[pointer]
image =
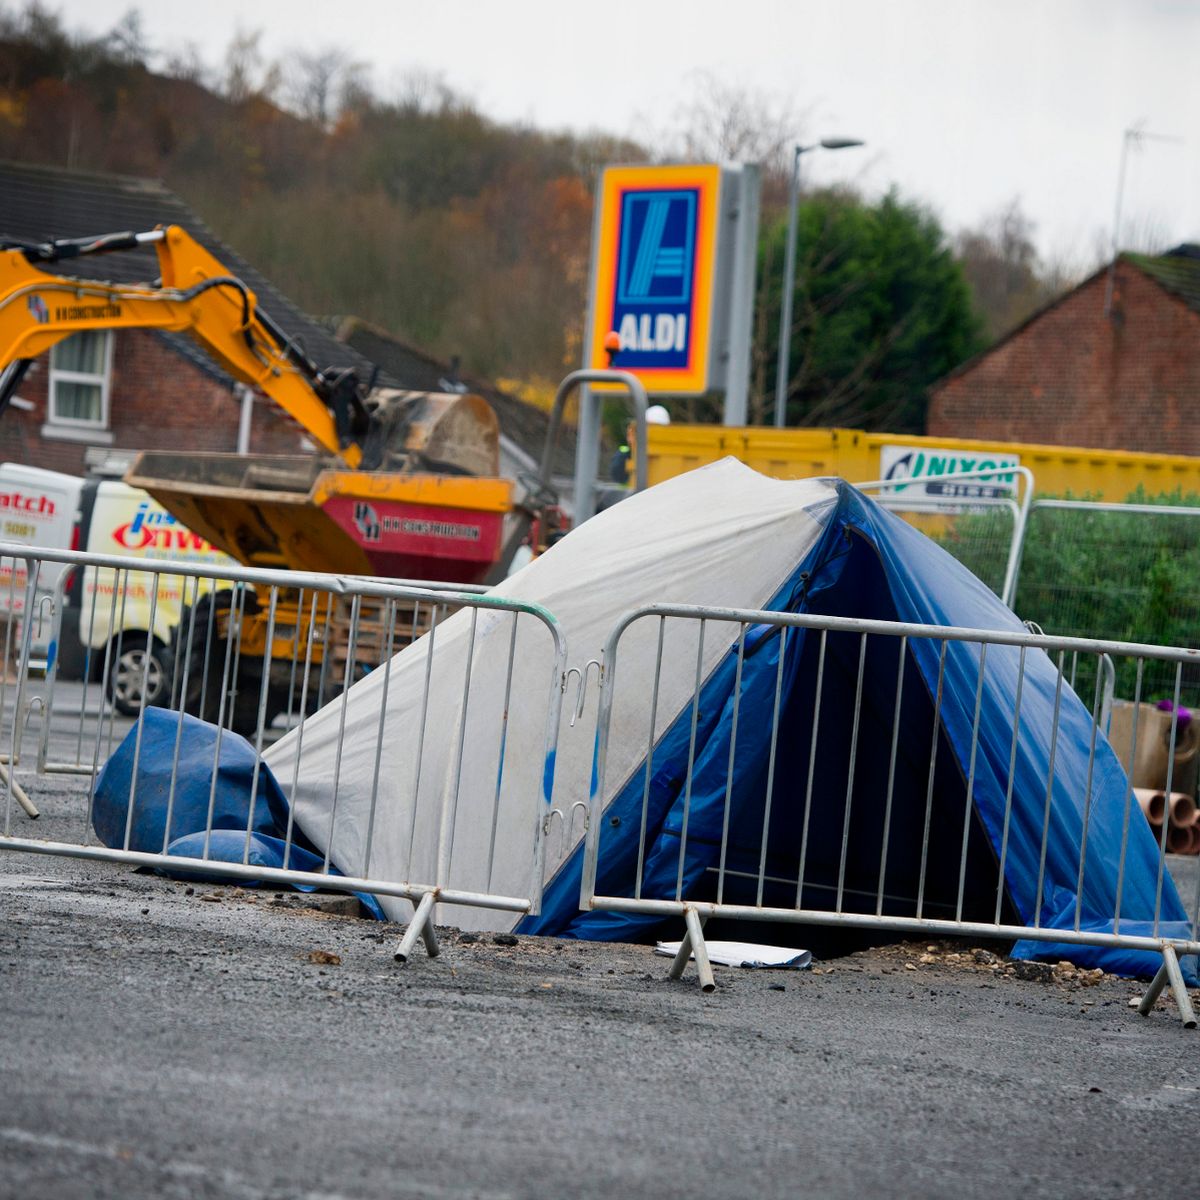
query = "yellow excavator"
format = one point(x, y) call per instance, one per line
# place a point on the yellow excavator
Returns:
point(408, 486)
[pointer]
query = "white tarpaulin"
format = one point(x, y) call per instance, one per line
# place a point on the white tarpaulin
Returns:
point(721, 536)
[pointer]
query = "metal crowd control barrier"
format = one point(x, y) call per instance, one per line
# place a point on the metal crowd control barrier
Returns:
point(848, 816)
point(120, 663)
point(980, 541)
point(325, 632)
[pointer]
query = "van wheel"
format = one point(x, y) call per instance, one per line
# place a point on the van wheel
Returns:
point(127, 670)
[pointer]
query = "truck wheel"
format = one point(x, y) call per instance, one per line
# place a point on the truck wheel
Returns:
point(140, 659)
point(206, 677)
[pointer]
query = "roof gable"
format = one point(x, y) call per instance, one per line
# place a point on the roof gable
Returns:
point(1177, 272)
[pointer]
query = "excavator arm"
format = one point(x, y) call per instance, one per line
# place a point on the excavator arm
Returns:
point(194, 294)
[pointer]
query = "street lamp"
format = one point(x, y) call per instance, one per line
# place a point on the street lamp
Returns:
point(789, 271)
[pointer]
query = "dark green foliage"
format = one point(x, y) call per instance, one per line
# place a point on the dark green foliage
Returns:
point(881, 310)
point(1130, 577)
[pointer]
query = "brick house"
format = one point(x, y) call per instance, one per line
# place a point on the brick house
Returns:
point(134, 389)
point(1115, 370)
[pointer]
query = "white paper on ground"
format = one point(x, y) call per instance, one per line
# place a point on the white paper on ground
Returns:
point(746, 954)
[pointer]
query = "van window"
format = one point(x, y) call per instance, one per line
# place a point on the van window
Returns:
point(80, 367)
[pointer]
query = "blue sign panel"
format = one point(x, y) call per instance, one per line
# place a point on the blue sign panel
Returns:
point(656, 252)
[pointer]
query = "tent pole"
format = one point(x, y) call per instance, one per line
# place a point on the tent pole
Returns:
point(418, 927)
point(1169, 972)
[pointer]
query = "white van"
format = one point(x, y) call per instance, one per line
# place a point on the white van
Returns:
point(118, 519)
point(38, 509)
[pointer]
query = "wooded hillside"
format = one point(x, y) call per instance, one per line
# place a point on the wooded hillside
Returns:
point(471, 238)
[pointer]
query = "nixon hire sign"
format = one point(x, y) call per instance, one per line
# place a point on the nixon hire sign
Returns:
point(923, 465)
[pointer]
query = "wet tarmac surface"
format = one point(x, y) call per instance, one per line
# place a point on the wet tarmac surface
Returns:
point(165, 1039)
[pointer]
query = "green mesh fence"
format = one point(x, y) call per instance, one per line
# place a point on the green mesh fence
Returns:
point(1126, 576)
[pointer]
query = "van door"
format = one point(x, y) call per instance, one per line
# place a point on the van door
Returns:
point(115, 606)
point(38, 509)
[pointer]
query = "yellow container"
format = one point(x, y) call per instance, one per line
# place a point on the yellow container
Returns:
point(856, 455)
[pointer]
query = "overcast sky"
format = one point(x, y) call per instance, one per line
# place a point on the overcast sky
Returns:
point(964, 104)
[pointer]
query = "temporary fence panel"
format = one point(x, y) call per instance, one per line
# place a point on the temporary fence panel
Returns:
point(879, 775)
point(120, 668)
point(977, 516)
point(267, 649)
point(1129, 572)
point(13, 580)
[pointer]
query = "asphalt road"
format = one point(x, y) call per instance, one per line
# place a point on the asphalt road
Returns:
point(160, 1039)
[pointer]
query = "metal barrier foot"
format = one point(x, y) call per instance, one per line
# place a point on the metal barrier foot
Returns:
point(693, 944)
point(1170, 973)
point(419, 926)
point(18, 793)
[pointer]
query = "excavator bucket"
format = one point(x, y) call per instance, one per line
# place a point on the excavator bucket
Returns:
point(441, 432)
point(305, 514)
point(434, 509)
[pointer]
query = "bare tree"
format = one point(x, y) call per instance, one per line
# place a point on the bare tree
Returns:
point(1000, 261)
point(127, 40)
point(317, 85)
point(418, 91)
point(185, 62)
point(248, 73)
point(727, 122)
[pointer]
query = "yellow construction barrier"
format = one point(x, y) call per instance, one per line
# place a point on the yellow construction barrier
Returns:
point(859, 456)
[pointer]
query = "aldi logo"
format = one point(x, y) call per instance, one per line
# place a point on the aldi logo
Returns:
point(654, 278)
point(653, 274)
point(658, 247)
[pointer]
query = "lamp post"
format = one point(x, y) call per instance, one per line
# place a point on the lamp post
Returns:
point(789, 272)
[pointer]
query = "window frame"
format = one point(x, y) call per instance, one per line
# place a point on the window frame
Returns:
point(61, 375)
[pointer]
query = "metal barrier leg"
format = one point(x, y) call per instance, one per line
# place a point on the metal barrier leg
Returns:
point(1178, 989)
point(681, 956)
point(693, 944)
point(430, 937)
point(18, 793)
point(417, 928)
point(1169, 972)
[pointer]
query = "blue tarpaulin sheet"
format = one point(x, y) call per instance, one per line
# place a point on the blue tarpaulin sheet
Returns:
point(172, 817)
point(870, 564)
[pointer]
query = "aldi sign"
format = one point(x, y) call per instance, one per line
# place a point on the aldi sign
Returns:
point(653, 270)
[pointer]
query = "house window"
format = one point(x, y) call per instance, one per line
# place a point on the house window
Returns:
point(80, 367)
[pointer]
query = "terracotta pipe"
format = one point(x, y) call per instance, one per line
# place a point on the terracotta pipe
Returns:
point(1153, 804)
point(1183, 839)
point(1183, 809)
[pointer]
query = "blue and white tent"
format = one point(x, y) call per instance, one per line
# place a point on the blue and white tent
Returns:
point(727, 536)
